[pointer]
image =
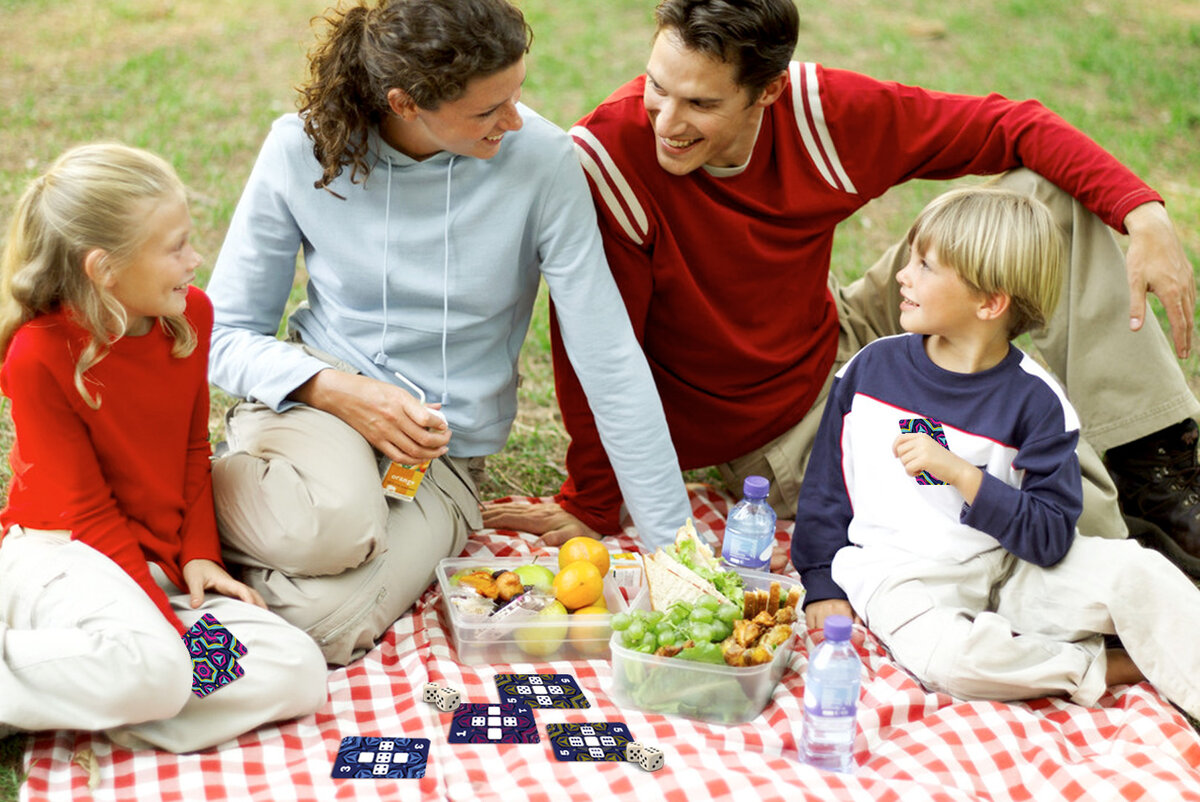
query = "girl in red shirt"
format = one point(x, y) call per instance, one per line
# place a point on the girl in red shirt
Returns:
point(109, 540)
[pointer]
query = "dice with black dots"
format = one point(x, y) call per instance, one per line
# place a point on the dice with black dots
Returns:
point(650, 758)
point(445, 699)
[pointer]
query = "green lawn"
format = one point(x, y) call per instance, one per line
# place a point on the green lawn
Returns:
point(199, 83)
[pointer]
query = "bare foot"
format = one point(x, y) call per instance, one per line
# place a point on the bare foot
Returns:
point(1121, 670)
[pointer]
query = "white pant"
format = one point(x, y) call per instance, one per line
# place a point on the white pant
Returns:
point(83, 647)
point(996, 627)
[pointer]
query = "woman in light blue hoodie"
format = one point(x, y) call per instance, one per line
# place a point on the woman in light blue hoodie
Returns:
point(426, 202)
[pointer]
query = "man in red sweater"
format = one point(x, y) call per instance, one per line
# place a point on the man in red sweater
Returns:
point(720, 176)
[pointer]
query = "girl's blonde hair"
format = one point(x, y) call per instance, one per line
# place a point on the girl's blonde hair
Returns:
point(997, 240)
point(93, 198)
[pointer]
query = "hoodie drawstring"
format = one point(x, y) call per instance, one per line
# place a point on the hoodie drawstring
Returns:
point(446, 286)
point(381, 356)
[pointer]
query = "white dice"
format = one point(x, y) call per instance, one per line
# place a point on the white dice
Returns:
point(650, 758)
point(448, 699)
point(429, 696)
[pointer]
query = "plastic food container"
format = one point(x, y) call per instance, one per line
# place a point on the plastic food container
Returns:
point(525, 638)
point(716, 693)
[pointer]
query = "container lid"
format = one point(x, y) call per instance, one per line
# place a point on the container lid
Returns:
point(756, 487)
point(838, 627)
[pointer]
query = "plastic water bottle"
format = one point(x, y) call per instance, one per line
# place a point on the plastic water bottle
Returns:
point(831, 686)
point(750, 528)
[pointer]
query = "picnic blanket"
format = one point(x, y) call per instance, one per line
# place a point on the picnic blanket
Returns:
point(912, 744)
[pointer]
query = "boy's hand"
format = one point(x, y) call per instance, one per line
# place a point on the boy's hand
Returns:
point(920, 452)
point(816, 613)
point(202, 575)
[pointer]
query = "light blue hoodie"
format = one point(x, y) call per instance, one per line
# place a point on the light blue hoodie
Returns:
point(430, 269)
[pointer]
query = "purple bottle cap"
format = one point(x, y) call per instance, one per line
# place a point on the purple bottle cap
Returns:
point(838, 627)
point(755, 487)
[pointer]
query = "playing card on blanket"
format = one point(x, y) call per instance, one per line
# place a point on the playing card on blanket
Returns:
point(493, 724)
point(381, 758)
point(215, 652)
point(604, 740)
point(540, 690)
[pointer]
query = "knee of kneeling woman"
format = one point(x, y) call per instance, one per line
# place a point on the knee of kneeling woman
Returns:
point(270, 511)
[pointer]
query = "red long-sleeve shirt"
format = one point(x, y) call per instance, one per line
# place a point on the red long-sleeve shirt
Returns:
point(131, 479)
point(725, 277)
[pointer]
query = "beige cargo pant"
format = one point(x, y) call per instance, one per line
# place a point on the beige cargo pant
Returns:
point(996, 627)
point(1123, 384)
point(82, 647)
point(300, 508)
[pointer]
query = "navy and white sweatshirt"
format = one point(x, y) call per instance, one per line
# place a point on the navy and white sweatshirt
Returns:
point(860, 515)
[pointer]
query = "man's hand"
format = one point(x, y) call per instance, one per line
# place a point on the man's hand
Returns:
point(202, 575)
point(816, 613)
point(389, 418)
point(920, 452)
point(552, 522)
point(1156, 263)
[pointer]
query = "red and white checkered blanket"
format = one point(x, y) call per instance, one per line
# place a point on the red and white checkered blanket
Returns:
point(912, 745)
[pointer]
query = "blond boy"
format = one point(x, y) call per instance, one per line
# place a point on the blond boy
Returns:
point(946, 488)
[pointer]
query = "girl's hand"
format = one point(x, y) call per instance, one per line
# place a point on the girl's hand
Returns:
point(202, 575)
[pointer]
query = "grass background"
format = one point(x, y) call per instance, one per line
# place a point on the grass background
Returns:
point(199, 83)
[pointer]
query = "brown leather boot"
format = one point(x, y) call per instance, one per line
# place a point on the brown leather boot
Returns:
point(1158, 480)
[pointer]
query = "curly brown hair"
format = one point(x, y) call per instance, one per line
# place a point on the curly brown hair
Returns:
point(429, 48)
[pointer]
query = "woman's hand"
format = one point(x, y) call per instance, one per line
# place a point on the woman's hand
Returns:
point(389, 418)
point(202, 575)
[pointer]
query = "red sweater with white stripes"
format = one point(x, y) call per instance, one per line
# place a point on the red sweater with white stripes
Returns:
point(725, 278)
point(132, 478)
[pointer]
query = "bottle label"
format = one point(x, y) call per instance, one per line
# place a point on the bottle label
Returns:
point(829, 700)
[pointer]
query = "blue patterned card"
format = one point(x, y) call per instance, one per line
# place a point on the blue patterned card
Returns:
point(381, 758)
point(605, 740)
point(541, 690)
point(493, 724)
point(215, 652)
point(934, 430)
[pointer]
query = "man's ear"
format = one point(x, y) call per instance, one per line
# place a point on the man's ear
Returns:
point(994, 305)
point(97, 268)
point(401, 104)
point(772, 91)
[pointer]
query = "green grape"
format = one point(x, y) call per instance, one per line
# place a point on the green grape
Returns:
point(701, 614)
point(726, 612)
point(635, 630)
point(628, 641)
point(721, 630)
point(650, 639)
point(679, 612)
point(621, 621)
point(702, 632)
point(710, 603)
point(663, 626)
point(644, 649)
point(654, 616)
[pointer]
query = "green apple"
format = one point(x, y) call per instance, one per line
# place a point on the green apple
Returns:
point(542, 634)
point(539, 576)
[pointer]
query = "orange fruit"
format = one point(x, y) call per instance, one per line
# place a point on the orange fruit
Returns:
point(584, 548)
point(579, 584)
point(589, 636)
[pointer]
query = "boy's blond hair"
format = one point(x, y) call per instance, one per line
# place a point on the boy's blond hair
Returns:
point(997, 240)
point(93, 197)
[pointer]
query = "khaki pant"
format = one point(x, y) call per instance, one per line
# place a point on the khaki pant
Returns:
point(299, 505)
point(83, 647)
point(996, 627)
point(1123, 384)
